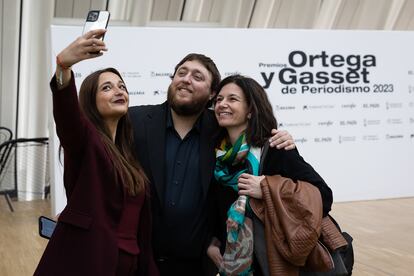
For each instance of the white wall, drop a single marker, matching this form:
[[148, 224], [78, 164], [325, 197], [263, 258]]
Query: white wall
[[9, 50], [361, 143]]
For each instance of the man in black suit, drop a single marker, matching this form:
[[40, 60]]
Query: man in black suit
[[175, 144]]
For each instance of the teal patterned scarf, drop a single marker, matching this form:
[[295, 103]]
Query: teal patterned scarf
[[231, 162]]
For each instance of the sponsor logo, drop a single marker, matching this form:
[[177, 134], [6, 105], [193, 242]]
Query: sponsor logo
[[323, 106], [349, 106], [133, 93], [301, 140], [325, 123], [160, 74], [226, 74], [394, 136], [348, 123], [389, 105], [294, 124], [370, 137], [322, 139], [78, 75], [394, 121], [344, 139], [284, 107], [159, 92], [371, 105], [371, 122], [131, 75]]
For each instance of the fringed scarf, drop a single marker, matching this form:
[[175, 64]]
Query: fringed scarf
[[231, 162]]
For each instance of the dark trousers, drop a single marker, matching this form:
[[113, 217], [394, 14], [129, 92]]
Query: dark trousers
[[179, 267]]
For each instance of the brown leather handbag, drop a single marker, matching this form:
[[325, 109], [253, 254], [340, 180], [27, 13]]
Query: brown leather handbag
[[333, 255]]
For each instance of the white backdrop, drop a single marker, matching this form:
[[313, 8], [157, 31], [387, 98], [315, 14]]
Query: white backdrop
[[350, 109]]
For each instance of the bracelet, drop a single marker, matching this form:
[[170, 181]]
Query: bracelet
[[59, 77], [58, 62]]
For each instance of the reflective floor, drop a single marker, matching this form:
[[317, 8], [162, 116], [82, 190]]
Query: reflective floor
[[383, 232]]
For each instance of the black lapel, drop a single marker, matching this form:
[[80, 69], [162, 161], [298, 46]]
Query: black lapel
[[265, 149], [208, 134], [156, 126]]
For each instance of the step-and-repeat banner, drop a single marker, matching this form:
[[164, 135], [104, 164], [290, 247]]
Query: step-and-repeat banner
[[347, 97]]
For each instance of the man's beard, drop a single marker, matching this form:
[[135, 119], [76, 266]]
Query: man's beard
[[186, 109]]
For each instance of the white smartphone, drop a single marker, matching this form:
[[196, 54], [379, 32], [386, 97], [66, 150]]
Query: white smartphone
[[96, 20]]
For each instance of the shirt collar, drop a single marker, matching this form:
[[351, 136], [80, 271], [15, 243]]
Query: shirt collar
[[170, 123]]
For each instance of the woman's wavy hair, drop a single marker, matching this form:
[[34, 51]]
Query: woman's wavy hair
[[262, 119], [121, 152]]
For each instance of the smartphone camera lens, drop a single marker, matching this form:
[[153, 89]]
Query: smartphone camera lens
[[93, 16]]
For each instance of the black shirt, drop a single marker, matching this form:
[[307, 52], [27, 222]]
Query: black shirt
[[183, 223]]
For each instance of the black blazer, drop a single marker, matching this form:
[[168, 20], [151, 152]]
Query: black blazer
[[149, 124]]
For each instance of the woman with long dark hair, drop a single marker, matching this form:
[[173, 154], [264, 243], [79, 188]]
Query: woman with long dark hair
[[243, 158], [106, 225]]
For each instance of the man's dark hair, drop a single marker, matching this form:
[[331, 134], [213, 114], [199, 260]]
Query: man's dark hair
[[208, 63]]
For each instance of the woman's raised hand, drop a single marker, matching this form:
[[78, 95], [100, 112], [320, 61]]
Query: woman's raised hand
[[84, 47]]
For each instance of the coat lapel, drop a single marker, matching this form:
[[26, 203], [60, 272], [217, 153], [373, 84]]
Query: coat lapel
[[265, 149], [156, 126], [207, 145]]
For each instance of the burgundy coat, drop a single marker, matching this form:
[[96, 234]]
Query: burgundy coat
[[84, 241]]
